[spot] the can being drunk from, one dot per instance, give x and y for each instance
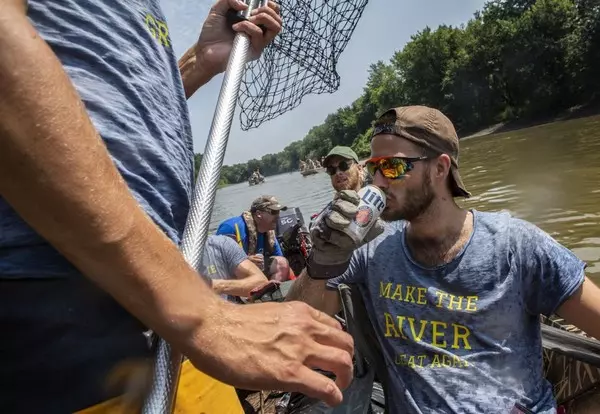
(372, 204)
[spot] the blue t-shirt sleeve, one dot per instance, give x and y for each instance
(356, 270)
(277, 251)
(550, 273)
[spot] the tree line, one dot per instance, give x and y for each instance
(514, 60)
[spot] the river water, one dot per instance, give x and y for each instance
(548, 174)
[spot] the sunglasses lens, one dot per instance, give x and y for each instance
(389, 167)
(342, 166)
(396, 168)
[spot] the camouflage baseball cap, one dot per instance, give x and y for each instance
(428, 128)
(267, 202)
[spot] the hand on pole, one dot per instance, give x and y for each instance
(216, 38)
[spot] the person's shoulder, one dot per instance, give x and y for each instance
(492, 221)
(229, 224)
(231, 220)
(505, 224)
(214, 240)
(225, 245)
(220, 240)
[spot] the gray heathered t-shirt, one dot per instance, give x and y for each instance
(119, 56)
(221, 256)
(465, 337)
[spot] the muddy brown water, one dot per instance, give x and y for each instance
(547, 174)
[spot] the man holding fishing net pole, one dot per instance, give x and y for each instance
(96, 168)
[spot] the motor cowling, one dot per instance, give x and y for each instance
(294, 238)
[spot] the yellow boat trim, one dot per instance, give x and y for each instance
(197, 393)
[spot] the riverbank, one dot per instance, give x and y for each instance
(575, 112)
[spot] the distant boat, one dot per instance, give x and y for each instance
(310, 172)
(255, 181)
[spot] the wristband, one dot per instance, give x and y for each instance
(318, 271)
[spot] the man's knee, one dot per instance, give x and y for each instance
(279, 269)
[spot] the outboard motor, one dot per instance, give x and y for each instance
(294, 238)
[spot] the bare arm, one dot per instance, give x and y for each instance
(56, 172)
(248, 276)
(582, 309)
(315, 293)
(192, 73)
(209, 56)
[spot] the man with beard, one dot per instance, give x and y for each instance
(345, 171)
(454, 295)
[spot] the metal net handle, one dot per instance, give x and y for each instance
(167, 362)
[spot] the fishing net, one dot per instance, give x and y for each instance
(302, 60)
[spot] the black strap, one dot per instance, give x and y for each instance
(365, 340)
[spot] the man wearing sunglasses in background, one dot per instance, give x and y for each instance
(454, 295)
(345, 171)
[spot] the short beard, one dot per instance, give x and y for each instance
(417, 202)
(352, 183)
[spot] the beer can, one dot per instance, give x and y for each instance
(372, 204)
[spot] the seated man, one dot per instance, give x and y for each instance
(254, 230)
(454, 295)
(231, 272)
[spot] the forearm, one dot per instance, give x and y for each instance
(315, 293)
(57, 174)
(193, 74)
(241, 287)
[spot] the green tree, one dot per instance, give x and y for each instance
(515, 59)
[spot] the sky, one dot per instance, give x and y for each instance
(385, 27)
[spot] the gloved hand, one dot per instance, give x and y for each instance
(332, 248)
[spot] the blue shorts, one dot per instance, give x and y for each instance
(61, 338)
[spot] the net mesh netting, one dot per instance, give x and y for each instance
(301, 60)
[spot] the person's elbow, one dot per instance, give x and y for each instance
(250, 273)
(258, 279)
(254, 281)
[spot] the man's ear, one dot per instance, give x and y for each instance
(442, 167)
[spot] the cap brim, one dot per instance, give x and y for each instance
(330, 156)
(458, 187)
(326, 159)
